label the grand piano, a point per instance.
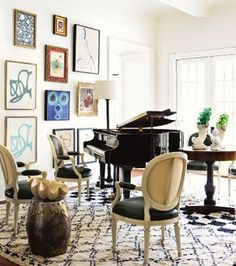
(133, 143)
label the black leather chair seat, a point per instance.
(134, 208)
(199, 166)
(23, 193)
(232, 170)
(68, 172)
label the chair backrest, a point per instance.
(163, 179)
(207, 140)
(9, 167)
(57, 149)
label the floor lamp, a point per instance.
(106, 89)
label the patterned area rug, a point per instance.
(206, 240)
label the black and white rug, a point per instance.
(206, 240)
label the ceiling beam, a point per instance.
(195, 8)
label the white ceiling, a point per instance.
(160, 8)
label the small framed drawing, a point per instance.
(59, 25)
(21, 137)
(87, 105)
(84, 134)
(57, 105)
(67, 137)
(21, 79)
(86, 49)
(25, 29)
(56, 64)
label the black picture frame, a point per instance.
(86, 49)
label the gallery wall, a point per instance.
(140, 30)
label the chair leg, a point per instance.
(113, 226)
(177, 236)
(79, 194)
(146, 244)
(219, 176)
(16, 213)
(87, 187)
(8, 205)
(163, 232)
(229, 185)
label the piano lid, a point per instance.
(148, 118)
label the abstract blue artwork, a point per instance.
(57, 105)
(25, 29)
(20, 85)
(21, 135)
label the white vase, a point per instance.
(221, 134)
(198, 142)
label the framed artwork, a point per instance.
(21, 79)
(57, 105)
(86, 49)
(87, 105)
(56, 64)
(84, 134)
(25, 29)
(59, 25)
(21, 137)
(67, 137)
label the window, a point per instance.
(206, 81)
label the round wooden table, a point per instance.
(209, 156)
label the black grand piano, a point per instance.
(133, 143)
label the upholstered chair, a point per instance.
(16, 191)
(69, 173)
(162, 183)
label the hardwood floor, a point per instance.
(5, 262)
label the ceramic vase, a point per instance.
(48, 227)
(221, 134)
(198, 142)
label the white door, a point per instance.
(131, 66)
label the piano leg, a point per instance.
(109, 178)
(102, 174)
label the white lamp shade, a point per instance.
(105, 89)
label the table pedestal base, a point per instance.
(206, 209)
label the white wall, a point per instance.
(187, 34)
(140, 31)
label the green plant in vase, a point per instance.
(202, 124)
(222, 121)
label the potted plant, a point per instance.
(202, 125)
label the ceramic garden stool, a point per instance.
(48, 227)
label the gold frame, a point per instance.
(48, 75)
(56, 30)
(91, 108)
(16, 43)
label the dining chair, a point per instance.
(161, 187)
(231, 175)
(16, 191)
(69, 173)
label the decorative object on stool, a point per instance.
(202, 125)
(216, 144)
(221, 126)
(48, 222)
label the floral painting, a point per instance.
(56, 59)
(87, 105)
